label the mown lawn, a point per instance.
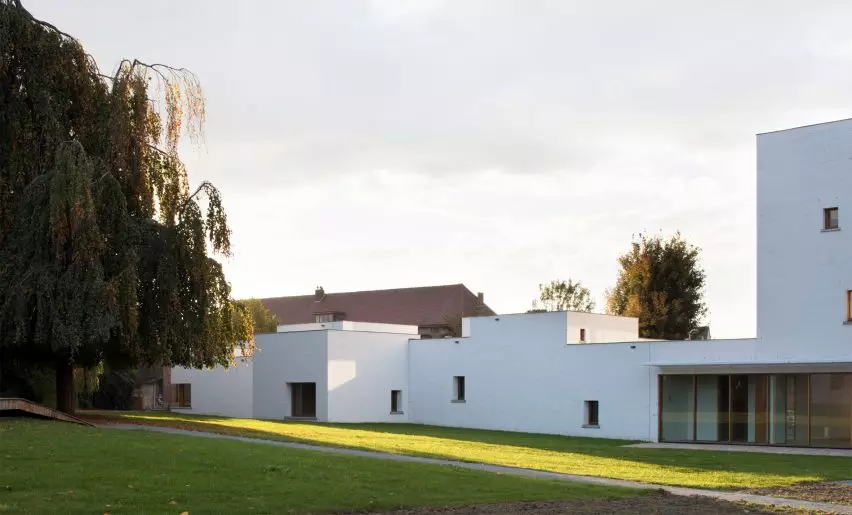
(55, 467)
(586, 456)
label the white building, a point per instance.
(590, 375)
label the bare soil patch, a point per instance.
(817, 492)
(657, 503)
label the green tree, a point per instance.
(263, 320)
(454, 321)
(661, 282)
(106, 255)
(560, 295)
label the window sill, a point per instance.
(591, 426)
(830, 230)
(848, 322)
(458, 401)
(397, 413)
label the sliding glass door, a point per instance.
(759, 409)
(788, 409)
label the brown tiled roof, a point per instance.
(423, 306)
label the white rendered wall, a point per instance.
(218, 391)
(363, 368)
(318, 326)
(602, 328)
(289, 357)
(348, 325)
(520, 375)
(803, 273)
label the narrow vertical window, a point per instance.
(591, 414)
(396, 401)
(849, 305)
(458, 389)
(582, 335)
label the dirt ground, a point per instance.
(656, 503)
(818, 492)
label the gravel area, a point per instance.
(818, 492)
(656, 503)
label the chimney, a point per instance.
(319, 294)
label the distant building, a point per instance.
(432, 309)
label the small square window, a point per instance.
(830, 219)
(396, 401)
(458, 389)
(591, 414)
(582, 335)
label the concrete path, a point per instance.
(725, 496)
(809, 451)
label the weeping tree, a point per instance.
(106, 254)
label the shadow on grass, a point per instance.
(573, 455)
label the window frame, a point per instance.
(591, 414)
(849, 306)
(396, 402)
(459, 388)
(826, 219)
(181, 400)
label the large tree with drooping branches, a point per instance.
(106, 253)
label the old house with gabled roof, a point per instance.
(435, 310)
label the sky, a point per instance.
(369, 144)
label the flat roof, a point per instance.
(805, 126)
(694, 364)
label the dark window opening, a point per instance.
(458, 388)
(831, 219)
(396, 401)
(591, 413)
(182, 395)
(303, 400)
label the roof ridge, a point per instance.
(374, 291)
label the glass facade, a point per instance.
(758, 409)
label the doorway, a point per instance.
(303, 400)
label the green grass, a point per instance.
(572, 455)
(55, 467)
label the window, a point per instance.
(324, 317)
(591, 417)
(458, 389)
(182, 395)
(582, 335)
(396, 401)
(849, 305)
(830, 220)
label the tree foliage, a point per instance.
(661, 282)
(263, 320)
(105, 252)
(454, 321)
(560, 295)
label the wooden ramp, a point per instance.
(15, 406)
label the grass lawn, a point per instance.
(55, 467)
(586, 456)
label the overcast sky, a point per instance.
(381, 144)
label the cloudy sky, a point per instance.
(378, 144)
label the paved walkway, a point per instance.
(810, 451)
(725, 496)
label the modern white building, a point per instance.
(590, 375)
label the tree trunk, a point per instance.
(66, 396)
